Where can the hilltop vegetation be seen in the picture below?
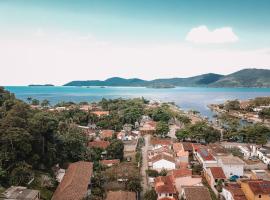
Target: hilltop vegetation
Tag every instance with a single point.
(242, 78)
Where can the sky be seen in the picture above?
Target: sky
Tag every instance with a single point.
(49, 41)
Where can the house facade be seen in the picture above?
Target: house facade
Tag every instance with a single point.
(231, 166)
(161, 162)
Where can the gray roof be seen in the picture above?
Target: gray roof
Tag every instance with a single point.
(21, 193)
(231, 160)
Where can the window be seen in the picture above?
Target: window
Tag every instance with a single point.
(260, 196)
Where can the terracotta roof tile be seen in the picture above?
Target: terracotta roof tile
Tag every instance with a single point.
(158, 141)
(196, 146)
(121, 195)
(196, 193)
(99, 144)
(179, 150)
(187, 146)
(106, 133)
(259, 186)
(162, 156)
(74, 185)
(164, 184)
(176, 173)
(217, 173)
(236, 191)
(205, 154)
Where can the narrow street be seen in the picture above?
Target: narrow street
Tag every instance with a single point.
(145, 163)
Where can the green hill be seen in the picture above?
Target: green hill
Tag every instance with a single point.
(245, 78)
(242, 78)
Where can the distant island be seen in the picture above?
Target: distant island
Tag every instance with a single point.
(35, 85)
(251, 77)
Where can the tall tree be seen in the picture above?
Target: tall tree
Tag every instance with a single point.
(162, 129)
(116, 149)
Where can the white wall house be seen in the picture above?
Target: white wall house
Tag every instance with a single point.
(163, 164)
(245, 151)
(264, 155)
(227, 194)
(162, 161)
(231, 165)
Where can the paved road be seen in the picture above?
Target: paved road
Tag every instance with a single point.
(145, 163)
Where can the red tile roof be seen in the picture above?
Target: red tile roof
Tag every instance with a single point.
(106, 133)
(236, 191)
(217, 173)
(176, 173)
(187, 146)
(179, 150)
(205, 154)
(164, 184)
(259, 186)
(162, 156)
(121, 195)
(74, 185)
(99, 144)
(196, 146)
(110, 162)
(158, 141)
(196, 193)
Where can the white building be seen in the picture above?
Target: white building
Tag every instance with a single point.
(248, 151)
(231, 165)
(264, 155)
(162, 161)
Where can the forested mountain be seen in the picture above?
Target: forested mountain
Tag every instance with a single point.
(242, 78)
(245, 78)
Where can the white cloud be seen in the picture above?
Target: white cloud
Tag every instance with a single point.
(203, 35)
(58, 59)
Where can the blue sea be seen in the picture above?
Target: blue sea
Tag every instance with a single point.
(185, 97)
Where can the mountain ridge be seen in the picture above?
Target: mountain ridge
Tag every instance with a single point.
(250, 77)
